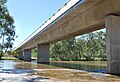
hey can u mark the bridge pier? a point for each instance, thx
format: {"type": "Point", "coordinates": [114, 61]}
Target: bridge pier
{"type": "Point", "coordinates": [113, 44]}
{"type": "Point", "coordinates": [20, 55]}
{"type": "Point", "coordinates": [43, 54]}
{"type": "Point", "coordinates": [27, 55]}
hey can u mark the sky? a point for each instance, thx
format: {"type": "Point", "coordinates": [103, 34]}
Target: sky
{"type": "Point", "coordinates": [31, 14]}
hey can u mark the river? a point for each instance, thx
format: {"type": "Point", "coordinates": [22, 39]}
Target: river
{"type": "Point", "coordinates": [57, 71]}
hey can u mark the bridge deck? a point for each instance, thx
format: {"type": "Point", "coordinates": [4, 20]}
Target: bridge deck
{"type": "Point", "coordinates": [75, 18]}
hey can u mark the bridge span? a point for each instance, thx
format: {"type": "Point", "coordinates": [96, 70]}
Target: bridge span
{"type": "Point", "coordinates": [75, 18]}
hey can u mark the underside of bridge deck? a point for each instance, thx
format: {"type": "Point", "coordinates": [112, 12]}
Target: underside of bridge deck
{"type": "Point", "coordinates": [88, 16]}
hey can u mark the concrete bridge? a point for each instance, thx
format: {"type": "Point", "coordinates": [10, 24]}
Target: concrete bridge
{"type": "Point", "coordinates": [75, 18]}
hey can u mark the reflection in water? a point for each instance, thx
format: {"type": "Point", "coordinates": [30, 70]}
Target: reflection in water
{"type": "Point", "coordinates": [7, 64]}
{"type": "Point", "coordinates": [95, 67]}
{"type": "Point", "coordinates": [15, 67]}
{"type": "Point", "coordinates": [17, 71]}
{"type": "Point", "coordinates": [21, 71]}
{"type": "Point", "coordinates": [23, 65]}
{"type": "Point", "coordinates": [33, 65]}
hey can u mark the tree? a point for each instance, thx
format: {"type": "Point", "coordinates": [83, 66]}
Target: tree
{"type": "Point", "coordinates": [90, 46]}
{"type": "Point", "coordinates": [7, 32]}
{"type": "Point", "coordinates": [34, 53]}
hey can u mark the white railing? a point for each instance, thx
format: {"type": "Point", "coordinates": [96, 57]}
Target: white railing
{"type": "Point", "coordinates": [69, 6]}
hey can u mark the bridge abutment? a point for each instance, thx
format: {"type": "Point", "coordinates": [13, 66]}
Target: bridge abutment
{"type": "Point", "coordinates": [20, 55]}
{"type": "Point", "coordinates": [43, 53]}
{"type": "Point", "coordinates": [113, 44]}
{"type": "Point", "coordinates": [27, 55]}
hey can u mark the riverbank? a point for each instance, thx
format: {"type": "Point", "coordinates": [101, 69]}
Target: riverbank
{"type": "Point", "coordinates": [21, 71]}
{"type": "Point", "coordinates": [9, 58]}
{"type": "Point", "coordinates": [13, 58]}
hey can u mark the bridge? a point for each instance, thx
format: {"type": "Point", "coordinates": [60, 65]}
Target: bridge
{"type": "Point", "coordinates": [75, 18]}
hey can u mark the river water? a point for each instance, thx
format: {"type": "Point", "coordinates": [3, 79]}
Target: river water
{"type": "Point", "coordinates": [57, 71]}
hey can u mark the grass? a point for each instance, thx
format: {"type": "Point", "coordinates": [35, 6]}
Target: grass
{"type": "Point", "coordinates": [9, 58]}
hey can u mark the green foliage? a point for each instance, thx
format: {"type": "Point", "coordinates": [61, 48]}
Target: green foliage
{"type": "Point", "coordinates": [91, 46]}
{"type": "Point", "coordinates": [63, 49]}
{"type": "Point", "coordinates": [13, 53]}
{"type": "Point", "coordinates": [34, 53]}
{"type": "Point", "coordinates": [7, 32]}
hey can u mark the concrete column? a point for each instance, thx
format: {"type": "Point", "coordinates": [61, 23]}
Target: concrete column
{"type": "Point", "coordinates": [20, 55]}
{"type": "Point", "coordinates": [27, 55]}
{"type": "Point", "coordinates": [43, 53]}
{"type": "Point", "coordinates": [113, 44]}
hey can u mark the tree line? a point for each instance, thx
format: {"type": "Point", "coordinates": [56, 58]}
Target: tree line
{"type": "Point", "coordinates": [90, 46]}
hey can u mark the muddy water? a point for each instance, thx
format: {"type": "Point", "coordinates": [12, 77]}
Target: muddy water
{"type": "Point", "coordinates": [57, 71]}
